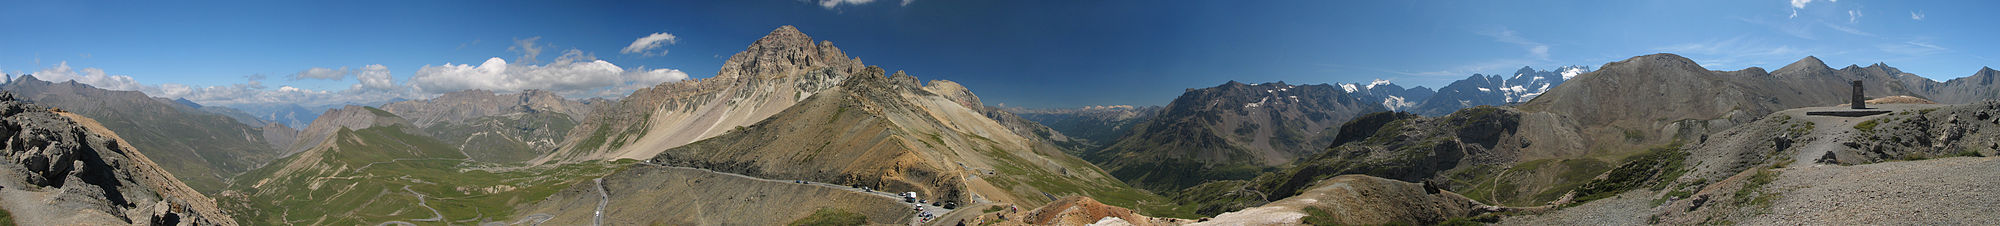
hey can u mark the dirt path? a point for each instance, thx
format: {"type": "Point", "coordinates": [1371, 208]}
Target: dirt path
{"type": "Point", "coordinates": [1947, 191]}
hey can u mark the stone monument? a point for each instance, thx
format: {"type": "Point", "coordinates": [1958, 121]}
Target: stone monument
{"type": "Point", "coordinates": [1857, 108]}
{"type": "Point", "coordinates": [1859, 101]}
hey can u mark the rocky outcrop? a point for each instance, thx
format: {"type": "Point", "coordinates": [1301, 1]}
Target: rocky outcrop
{"type": "Point", "coordinates": [1940, 131]}
{"type": "Point", "coordinates": [65, 169]}
{"type": "Point", "coordinates": [201, 148]}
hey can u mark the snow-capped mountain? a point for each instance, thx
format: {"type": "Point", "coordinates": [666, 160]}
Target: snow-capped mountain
{"type": "Point", "coordinates": [1391, 96]}
{"type": "Point", "coordinates": [1525, 84]}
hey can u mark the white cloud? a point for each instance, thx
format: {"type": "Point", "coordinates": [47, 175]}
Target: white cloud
{"type": "Point", "coordinates": [1853, 16]}
{"type": "Point", "coordinates": [907, 2]}
{"type": "Point", "coordinates": [575, 73]}
{"type": "Point", "coordinates": [92, 76]}
{"type": "Point", "coordinates": [374, 76]}
{"type": "Point", "coordinates": [650, 42]}
{"type": "Point", "coordinates": [1916, 15]}
{"type": "Point", "coordinates": [322, 73]}
{"type": "Point", "coordinates": [830, 4]}
{"type": "Point", "coordinates": [1800, 4]}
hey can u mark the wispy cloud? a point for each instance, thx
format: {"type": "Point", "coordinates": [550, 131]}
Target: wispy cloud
{"type": "Point", "coordinates": [1738, 51]}
{"type": "Point", "coordinates": [646, 44]}
{"type": "Point", "coordinates": [1917, 15]}
{"type": "Point", "coordinates": [1849, 30]}
{"type": "Point", "coordinates": [462, 46]}
{"type": "Point", "coordinates": [529, 48]}
{"type": "Point", "coordinates": [1535, 49]}
{"type": "Point", "coordinates": [322, 73]}
{"type": "Point", "coordinates": [1912, 48]}
{"type": "Point", "coordinates": [1854, 16]}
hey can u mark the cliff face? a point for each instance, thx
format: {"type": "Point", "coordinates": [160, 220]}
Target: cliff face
{"type": "Point", "coordinates": [65, 169]}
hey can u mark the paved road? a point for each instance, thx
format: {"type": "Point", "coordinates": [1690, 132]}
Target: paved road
{"type": "Point", "coordinates": [914, 220]}
{"type": "Point", "coordinates": [420, 202]}
{"type": "Point", "coordinates": [604, 199]}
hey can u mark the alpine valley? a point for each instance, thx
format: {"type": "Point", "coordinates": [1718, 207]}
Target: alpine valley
{"type": "Point", "coordinates": [792, 130]}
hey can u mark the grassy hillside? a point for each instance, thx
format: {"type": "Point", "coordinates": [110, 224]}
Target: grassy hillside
{"type": "Point", "coordinates": [382, 174]}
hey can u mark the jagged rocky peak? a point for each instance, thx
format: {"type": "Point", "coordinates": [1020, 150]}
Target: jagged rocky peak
{"type": "Point", "coordinates": [905, 80]}
{"type": "Point", "coordinates": [784, 51]}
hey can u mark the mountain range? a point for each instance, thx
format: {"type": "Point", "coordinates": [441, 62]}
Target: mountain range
{"type": "Point", "coordinates": [794, 131]}
{"type": "Point", "coordinates": [200, 148]}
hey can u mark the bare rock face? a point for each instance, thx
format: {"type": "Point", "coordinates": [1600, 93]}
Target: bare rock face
{"type": "Point", "coordinates": [279, 135]}
{"type": "Point", "coordinates": [64, 169]}
{"type": "Point", "coordinates": [786, 51]}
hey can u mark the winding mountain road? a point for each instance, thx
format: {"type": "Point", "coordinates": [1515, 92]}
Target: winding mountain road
{"type": "Point", "coordinates": [914, 219]}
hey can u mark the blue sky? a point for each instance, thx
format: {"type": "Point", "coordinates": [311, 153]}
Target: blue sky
{"type": "Point", "coordinates": [1022, 53]}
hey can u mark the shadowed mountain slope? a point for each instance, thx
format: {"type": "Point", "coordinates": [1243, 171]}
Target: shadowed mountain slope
{"type": "Point", "coordinates": [200, 148]}
{"type": "Point", "coordinates": [66, 169]}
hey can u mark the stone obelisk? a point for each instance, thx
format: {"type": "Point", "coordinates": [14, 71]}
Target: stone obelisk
{"type": "Point", "coordinates": [1859, 102]}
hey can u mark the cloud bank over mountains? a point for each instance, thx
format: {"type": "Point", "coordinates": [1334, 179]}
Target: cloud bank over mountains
{"type": "Point", "coordinates": [574, 74]}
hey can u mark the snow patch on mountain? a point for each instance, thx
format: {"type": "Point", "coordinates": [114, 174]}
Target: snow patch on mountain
{"type": "Point", "coordinates": [1572, 71]}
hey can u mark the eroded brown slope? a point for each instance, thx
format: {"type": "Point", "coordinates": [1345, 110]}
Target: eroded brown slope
{"type": "Point", "coordinates": [773, 73]}
{"type": "Point", "coordinates": [890, 134]}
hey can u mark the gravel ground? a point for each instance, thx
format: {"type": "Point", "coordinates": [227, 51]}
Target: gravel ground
{"type": "Point", "coordinates": [1949, 191]}
{"type": "Point", "coordinates": [1630, 208]}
